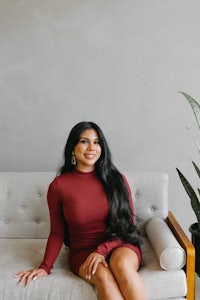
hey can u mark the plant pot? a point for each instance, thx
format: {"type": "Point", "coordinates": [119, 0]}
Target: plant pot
{"type": "Point", "coordinates": [195, 234]}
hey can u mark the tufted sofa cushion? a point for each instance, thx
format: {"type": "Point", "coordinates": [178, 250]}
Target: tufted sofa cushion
{"type": "Point", "coordinates": [150, 195]}
{"type": "Point", "coordinates": [23, 205]}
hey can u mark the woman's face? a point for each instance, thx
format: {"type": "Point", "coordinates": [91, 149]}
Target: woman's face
{"type": "Point", "coordinates": [87, 151]}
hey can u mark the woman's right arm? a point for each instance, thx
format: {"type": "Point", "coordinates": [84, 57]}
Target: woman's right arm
{"type": "Point", "coordinates": [55, 240]}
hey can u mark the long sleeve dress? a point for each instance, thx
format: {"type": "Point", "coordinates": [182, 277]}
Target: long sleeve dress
{"type": "Point", "coordinates": [77, 200]}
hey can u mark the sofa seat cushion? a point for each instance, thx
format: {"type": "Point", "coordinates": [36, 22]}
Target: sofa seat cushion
{"type": "Point", "coordinates": [62, 284]}
{"type": "Point", "coordinates": [21, 254]}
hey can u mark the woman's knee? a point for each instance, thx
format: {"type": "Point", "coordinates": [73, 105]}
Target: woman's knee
{"type": "Point", "coordinates": [123, 260]}
{"type": "Point", "coordinates": [102, 275]}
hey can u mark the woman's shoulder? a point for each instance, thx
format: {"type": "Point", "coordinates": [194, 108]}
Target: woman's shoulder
{"type": "Point", "coordinates": [59, 180]}
{"type": "Point", "coordinates": [65, 176]}
{"type": "Point", "coordinates": [60, 184]}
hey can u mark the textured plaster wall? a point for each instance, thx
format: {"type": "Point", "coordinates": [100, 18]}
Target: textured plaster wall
{"type": "Point", "coordinates": [119, 63]}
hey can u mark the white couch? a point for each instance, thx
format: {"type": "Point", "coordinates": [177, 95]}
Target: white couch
{"type": "Point", "coordinates": [24, 228]}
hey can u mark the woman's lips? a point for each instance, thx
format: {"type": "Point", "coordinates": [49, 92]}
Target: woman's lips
{"type": "Point", "coordinates": [90, 156]}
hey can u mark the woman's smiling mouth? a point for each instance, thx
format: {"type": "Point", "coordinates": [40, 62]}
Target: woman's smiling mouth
{"type": "Point", "coordinates": [90, 156]}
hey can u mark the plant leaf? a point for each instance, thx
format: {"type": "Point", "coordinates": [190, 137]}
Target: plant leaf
{"type": "Point", "coordinates": [196, 168]}
{"type": "Point", "coordinates": [195, 141]}
{"type": "Point", "coordinates": [195, 106]}
{"type": "Point", "coordinates": [191, 193]}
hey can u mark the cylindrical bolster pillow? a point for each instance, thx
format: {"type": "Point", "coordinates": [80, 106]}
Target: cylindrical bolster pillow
{"type": "Point", "coordinates": [170, 254]}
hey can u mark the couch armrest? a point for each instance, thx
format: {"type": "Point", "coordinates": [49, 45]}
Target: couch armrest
{"type": "Point", "coordinates": [190, 253]}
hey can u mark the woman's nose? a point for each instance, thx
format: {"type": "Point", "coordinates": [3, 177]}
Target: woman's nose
{"type": "Point", "coordinates": [91, 146]}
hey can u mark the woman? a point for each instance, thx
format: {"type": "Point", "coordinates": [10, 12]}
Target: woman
{"type": "Point", "coordinates": [91, 210]}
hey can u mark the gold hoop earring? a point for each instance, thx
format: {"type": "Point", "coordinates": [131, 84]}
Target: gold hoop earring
{"type": "Point", "coordinates": [73, 159]}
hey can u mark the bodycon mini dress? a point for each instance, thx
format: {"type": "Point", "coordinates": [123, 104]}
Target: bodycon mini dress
{"type": "Point", "coordinates": [77, 200]}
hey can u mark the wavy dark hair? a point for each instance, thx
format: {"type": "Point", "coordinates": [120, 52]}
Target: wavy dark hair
{"type": "Point", "coordinates": [120, 222]}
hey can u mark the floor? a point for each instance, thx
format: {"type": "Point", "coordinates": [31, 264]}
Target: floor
{"type": "Point", "coordinates": [197, 288]}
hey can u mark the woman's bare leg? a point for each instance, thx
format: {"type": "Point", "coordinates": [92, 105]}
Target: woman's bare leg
{"type": "Point", "coordinates": [104, 281]}
{"type": "Point", "coordinates": [124, 266]}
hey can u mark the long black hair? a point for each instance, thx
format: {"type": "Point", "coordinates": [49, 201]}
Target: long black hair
{"type": "Point", "coordinates": [120, 222]}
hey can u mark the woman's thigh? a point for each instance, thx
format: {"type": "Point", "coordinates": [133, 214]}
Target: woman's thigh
{"type": "Point", "coordinates": [124, 263]}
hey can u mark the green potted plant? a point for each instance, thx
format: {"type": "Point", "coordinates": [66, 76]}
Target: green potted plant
{"type": "Point", "coordinates": [195, 203]}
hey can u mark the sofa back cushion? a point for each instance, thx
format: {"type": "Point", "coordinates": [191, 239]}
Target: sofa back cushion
{"type": "Point", "coordinates": [23, 205]}
{"type": "Point", "coordinates": [24, 211]}
{"type": "Point", "coordinates": [150, 195]}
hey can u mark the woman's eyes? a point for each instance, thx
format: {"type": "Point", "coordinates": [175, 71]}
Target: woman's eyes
{"type": "Point", "coordinates": [83, 141]}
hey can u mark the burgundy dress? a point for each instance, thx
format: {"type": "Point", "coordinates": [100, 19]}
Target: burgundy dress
{"type": "Point", "coordinates": [78, 200]}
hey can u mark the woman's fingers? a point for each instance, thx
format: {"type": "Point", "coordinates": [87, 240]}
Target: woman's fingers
{"type": "Point", "coordinates": [23, 275]}
{"type": "Point", "coordinates": [18, 274]}
{"type": "Point", "coordinates": [98, 260]}
{"type": "Point", "coordinates": [34, 275]}
{"type": "Point", "coordinates": [27, 276]}
{"type": "Point", "coordinates": [91, 264]}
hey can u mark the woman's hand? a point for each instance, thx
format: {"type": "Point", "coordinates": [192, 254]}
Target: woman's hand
{"type": "Point", "coordinates": [27, 276]}
{"type": "Point", "coordinates": [91, 263]}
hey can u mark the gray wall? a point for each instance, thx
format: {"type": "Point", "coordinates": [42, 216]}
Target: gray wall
{"type": "Point", "coordinates": [119, 63]}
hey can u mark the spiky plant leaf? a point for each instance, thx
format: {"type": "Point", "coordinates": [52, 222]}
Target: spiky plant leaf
{"type": "Point", "coordinates": [196, 168]}
{"type": "Point", "coordinates": [193, 197]}
{"type": "Point", "coordinates": [195, 106]}
{"type": "Point", "coordinates": [194, 139]}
